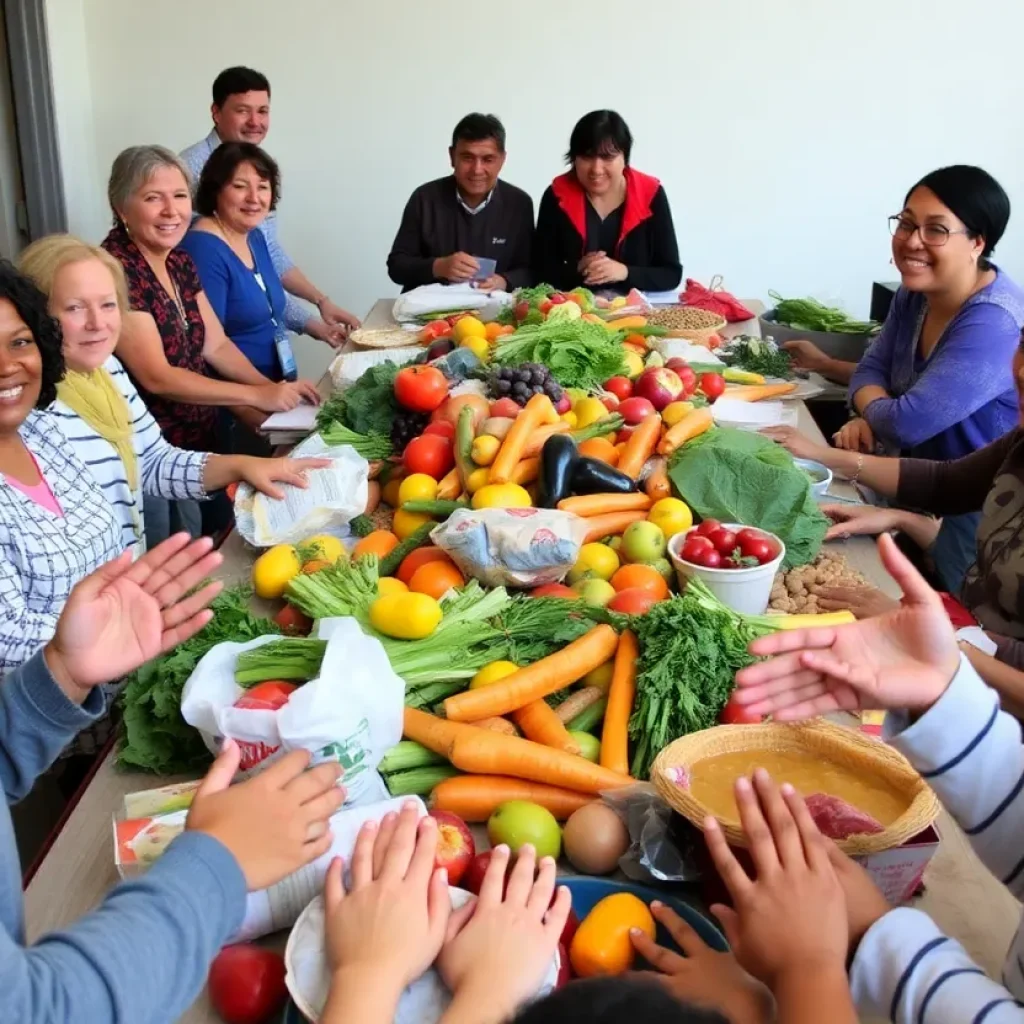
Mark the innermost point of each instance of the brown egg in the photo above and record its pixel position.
(594, 838)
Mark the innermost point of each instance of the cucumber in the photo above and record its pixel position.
(417, 539)
(439, 507)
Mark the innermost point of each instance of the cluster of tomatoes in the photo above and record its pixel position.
(715, 546)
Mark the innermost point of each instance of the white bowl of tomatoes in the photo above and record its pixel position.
(738, 563)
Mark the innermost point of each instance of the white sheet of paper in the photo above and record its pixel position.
(302, 417)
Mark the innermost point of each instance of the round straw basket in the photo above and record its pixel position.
(382, 337)
(824, 741)
(696, 325)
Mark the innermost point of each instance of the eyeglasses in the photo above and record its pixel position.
(931, 234)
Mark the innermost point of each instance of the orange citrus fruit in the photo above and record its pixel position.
(435, 579)
(379, 543)
(641, 577)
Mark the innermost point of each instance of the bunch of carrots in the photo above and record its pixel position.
(544, 764)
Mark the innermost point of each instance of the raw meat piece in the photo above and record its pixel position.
(839, 820)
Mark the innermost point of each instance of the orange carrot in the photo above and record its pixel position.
(598, 504)
(690, 426)
(450, 485)
(621, 693)
(610, 524)
(640, 446)
(627, 323)
(480, 752)
(476, 797)
(537, 412)
(657, 485)
(539, 722)
(535, 681)
(526, 471)
(498, 724)
(756, 392)
(536, 440)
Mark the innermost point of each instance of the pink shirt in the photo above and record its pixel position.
(40, 493)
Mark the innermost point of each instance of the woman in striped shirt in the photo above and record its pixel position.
(99, 409)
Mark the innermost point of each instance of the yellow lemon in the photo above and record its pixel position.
(407, 523)
(570, 418)
(274, 570)
(388, 585)
(671, 515)
(469, 327)
(589, 410)
(484, 449)
(477, 479)
(492, 673)
(501, 496)
(405, 616)
(594, 561)
(634, 363)
(478, 346)
(417, 487)
(674, 412)
(323, 547)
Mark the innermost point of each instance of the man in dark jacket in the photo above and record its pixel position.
(453, 222)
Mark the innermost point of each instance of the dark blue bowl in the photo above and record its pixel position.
(588, 891)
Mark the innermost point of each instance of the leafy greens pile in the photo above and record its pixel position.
(368, 406)
(757, 355)
(578, 353)
(741, 477)
(156, 737)
(478, 627)
(811, 315)
(691, 647)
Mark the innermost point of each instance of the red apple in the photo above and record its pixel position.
(633, 410)
(474, 876)
(564, 404)
(564, 966)
(624, 434)
(659, 385)
(620, 387)
(555, 590)
(455, 846)
(506, 408)
(611, 403)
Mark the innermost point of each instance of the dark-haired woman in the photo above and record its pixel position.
(602, 224)
(56, 527)
(937, 383)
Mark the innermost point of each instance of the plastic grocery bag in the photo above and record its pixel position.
(351, 714)
(335, 496)
(444, 298)
(512, 547)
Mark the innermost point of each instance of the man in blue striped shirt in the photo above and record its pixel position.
(241, 113)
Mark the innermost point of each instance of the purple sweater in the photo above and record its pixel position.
(962, 397)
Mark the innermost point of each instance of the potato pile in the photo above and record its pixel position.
(794, 592)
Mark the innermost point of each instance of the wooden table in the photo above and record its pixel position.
(962, 897)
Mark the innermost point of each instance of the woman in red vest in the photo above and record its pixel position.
(602, 224)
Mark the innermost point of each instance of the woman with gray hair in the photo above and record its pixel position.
(172, 343)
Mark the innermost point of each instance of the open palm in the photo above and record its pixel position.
(126, 613)
(903, 659)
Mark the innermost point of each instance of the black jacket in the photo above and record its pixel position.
(435, 225)
(646, 243)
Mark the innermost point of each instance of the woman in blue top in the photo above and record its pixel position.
(936, 383)
(239, 187)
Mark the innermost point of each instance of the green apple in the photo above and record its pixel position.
(517, 822)
(590, 746)
(643, 542)
(665, 567)
(597, 593)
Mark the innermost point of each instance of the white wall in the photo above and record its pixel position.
(785, 132)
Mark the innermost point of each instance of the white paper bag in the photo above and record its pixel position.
(352, 713)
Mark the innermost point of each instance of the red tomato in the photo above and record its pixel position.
(704, 555)
(421, 388)
(712, 384)
(434, 330)
(724, 541)
(632, 601)
(756, 545)
(291, 620)
(707, 527)
(522, 310)
(506, 408)
(247, 984)
(689, 379)
(694, 548)
(555, 590)
(268, 696)
(545, 306)
(737, 714)
(620, 387)
(557, 299)
(429, 454)
(624, 434)
(443, 429)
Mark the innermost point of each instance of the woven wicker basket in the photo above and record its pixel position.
(696, 325)
(382, 337)
(826, 741)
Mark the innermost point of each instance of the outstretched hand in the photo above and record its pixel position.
(905, 658)
(126, 613)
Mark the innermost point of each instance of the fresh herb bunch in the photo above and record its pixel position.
(578, 353)
(758, 355)
(371, 446)
(156, 738)
(811, 315)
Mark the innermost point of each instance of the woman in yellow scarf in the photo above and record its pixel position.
(99, 409)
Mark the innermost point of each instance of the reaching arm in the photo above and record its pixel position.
(809, 997)
(1006, 680)
(665, 270)
(939, 399)
(407, 264)
(875, 367)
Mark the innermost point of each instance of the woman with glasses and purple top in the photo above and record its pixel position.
(937, 382)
